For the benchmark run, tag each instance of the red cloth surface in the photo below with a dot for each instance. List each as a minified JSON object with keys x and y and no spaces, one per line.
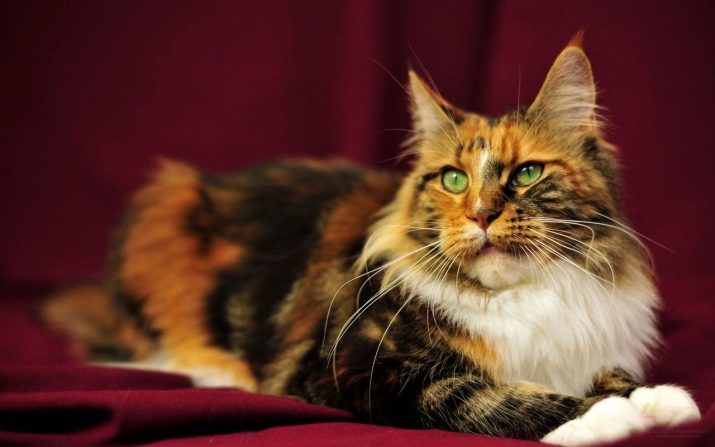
{"x":91,"y":93}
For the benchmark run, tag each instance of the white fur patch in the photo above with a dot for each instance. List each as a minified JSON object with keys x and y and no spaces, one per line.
{"x":158,"y":361}
{"x":558,"y":327}
{"x":161,"y":361}
{"x":609,"y":420}
{"x":666,"y":404}
{"x":483,"y":159}
{"x":211,"y":377}
{"x":496,"y":270}
{"x":616,"y":417}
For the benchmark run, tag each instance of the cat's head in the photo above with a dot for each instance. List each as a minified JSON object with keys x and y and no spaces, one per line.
{"x":497,"y":197}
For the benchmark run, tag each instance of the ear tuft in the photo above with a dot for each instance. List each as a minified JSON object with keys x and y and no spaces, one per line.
{"x":577,"y":39}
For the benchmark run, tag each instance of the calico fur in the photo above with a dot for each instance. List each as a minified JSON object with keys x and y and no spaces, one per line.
{"x":504,"y":309}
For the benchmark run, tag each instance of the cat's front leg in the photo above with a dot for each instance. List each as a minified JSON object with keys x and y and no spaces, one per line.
{"x":520,"y":410}
{"x":627,"y":407}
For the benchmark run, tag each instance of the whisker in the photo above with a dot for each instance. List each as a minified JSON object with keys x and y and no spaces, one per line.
{"x":439,"y":269}
{"x":590,"y":248}
{"x":528,"y":246}
{"x":362,"y":309}
{"x":373,"y":271}
{"x":449,"y":114}
{"x":366,"y":246}
{"x":456,"y":277}
{"x":542,"y":244}
{"x":630,"y":229}
{"x":379,"y":345}
{"x":543,"y":249}
{"x":443,"y":267}
{"x":518,"y":101}
{"x":586,"y":223}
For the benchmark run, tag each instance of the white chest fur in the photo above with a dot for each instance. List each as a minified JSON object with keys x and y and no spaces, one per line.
{"x":558,"y":329}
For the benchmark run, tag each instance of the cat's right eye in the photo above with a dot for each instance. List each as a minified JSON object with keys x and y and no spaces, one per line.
{"x":455,"y":181}
{"x":527,"y":174}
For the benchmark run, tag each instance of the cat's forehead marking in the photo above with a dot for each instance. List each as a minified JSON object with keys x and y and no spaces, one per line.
{"x":483,"y":158}
{"x":473,"y":137}
{"x":481,"y":163}
{"x":490,"y":147}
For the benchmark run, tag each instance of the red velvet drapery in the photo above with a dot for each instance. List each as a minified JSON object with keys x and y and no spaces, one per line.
{"x":92,"y":92}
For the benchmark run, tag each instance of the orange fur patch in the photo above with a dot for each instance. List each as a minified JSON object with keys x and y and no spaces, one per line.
{"x":165,"y":268}
{"x":344,"y":225}
{"x":478,"y":351}
{"x":86,"y":313}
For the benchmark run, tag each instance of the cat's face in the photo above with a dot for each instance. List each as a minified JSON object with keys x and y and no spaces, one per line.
{"x":501,"y":196}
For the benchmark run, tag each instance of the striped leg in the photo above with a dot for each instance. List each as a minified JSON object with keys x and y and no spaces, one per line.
{"x":519,"y":410}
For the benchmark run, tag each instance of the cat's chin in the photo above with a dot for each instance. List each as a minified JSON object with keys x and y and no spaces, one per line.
{"x":496,"y":269}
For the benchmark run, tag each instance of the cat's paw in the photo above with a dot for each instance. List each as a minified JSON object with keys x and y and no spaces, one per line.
{"x":666,"y":404}
{"x":608,"y":420}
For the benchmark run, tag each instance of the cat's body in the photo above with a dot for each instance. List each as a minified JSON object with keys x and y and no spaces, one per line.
{"x":508,"y":300}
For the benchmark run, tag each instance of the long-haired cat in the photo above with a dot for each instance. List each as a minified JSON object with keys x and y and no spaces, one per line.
{"x":494,"y":289}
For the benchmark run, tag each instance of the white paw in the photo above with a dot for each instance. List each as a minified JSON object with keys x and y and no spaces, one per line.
{"x":608,"y":420}
{"x":666,"y":404}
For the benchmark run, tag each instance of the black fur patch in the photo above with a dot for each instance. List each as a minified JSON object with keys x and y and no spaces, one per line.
{"x":277,"y":221}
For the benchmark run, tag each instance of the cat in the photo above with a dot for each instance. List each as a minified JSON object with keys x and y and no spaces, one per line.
{"x":493,"y":289}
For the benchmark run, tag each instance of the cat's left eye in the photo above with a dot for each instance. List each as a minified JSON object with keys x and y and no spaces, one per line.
{"x":527,"y":174}
{"x":455,"y":180}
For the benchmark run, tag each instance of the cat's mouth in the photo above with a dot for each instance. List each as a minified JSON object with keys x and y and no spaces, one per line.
{"x":477,"y":251}
{"x":488,"y":248}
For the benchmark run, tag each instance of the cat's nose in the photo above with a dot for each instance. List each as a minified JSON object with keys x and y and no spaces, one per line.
{"x":484,"y":218}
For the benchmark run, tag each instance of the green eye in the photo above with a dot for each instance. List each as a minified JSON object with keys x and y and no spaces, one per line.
{"x":455,"y":181}
{"x":527,"y":174}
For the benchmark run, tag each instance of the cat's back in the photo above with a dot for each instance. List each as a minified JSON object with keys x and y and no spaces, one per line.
{"x":268,"y":211}
{"x":280,"y":210}
{"x":282,"y":203}
{"x":201,"y":257}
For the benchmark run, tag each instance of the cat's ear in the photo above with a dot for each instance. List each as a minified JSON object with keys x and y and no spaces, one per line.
{"x":430,"y":112}
{"x":567,"y":99}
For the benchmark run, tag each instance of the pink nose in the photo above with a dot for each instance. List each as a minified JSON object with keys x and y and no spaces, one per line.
{"x":483,"y":219}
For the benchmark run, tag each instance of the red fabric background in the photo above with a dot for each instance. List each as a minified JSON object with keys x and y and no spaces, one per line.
{"x":92,"y":92}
